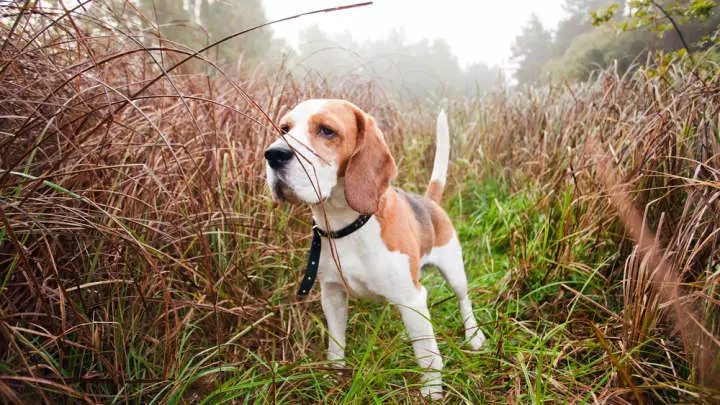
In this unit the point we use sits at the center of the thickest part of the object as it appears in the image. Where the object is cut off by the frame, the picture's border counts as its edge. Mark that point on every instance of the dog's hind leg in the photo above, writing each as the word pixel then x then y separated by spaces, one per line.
pixel 448 259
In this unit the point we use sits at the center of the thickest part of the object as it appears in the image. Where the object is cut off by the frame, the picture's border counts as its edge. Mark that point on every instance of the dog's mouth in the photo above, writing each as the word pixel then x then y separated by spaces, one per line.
pixel 284 193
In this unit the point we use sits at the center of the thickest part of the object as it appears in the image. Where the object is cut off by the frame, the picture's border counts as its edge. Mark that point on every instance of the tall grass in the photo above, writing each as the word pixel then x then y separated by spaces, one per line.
pixel 142 260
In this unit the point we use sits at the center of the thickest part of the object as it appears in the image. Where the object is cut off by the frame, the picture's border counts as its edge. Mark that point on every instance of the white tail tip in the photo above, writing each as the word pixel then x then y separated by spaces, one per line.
pixel 442 124
pixel 442 148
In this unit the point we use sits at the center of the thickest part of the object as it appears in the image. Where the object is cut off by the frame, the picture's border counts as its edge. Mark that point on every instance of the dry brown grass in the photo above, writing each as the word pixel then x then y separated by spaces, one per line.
pixel 129 215
pixel 141 257
pixel 651 149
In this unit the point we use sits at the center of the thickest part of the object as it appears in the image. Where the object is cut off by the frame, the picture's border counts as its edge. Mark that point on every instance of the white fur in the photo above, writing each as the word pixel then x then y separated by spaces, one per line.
pixel 448 258
pixel 442 149
pixel 369 269
pixel 305 175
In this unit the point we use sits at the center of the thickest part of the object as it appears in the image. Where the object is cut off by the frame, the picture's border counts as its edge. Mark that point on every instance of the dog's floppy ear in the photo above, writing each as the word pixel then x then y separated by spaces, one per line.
pixel 370 167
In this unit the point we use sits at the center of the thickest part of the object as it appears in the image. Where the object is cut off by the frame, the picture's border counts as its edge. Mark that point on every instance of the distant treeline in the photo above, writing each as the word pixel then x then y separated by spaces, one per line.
pixel 577 48
pixel 417 69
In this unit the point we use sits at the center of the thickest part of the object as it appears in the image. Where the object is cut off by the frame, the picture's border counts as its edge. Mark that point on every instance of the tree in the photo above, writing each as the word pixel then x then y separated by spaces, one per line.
pixel 598 49
pixel 683 28
pixel 172 19
pixel 182 23
pixel 578 22
pixel 412 69
pixel 646 30
pixel 531 50
pixel 480 78
pixel 222 18
pixel 583 8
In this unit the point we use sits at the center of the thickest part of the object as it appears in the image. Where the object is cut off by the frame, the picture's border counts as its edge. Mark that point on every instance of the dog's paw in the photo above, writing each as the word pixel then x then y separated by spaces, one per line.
pixel 337 373
pixel 434 392
pixel 341 370
pixel 432 386
pixel 477 340
pixel 337 363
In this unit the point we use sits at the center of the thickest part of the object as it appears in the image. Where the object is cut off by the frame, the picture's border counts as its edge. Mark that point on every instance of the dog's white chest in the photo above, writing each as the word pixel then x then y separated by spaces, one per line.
pixel 370 270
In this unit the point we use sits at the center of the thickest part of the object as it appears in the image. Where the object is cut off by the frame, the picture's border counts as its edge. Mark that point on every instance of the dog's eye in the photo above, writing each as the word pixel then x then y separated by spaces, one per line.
pixel 285 129
pixel 326 132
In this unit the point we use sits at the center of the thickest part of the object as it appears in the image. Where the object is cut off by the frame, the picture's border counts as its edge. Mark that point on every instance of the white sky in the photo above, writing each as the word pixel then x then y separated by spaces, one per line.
pixel 477 30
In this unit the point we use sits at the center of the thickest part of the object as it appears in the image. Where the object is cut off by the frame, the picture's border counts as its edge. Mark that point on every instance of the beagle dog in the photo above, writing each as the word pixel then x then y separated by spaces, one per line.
pixel 334 158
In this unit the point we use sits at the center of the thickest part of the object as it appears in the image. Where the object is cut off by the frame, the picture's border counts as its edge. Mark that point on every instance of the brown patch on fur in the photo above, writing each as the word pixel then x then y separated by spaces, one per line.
pixel 359 150
pixel 412 225
pixel 421 222
pixel 434 191
pixel 442 225
pixel 400 231
pixel 370 168
pixel 339 116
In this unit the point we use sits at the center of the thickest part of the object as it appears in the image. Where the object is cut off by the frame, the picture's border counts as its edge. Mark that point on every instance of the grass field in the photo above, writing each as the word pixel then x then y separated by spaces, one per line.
pixel 142 261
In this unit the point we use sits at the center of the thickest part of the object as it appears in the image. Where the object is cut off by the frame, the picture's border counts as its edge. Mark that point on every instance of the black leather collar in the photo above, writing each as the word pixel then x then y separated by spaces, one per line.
pixel 314 257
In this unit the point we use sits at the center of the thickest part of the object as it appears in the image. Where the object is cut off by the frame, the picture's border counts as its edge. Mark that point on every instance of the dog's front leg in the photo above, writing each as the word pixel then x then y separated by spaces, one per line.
pixel 334 305
pixel 416 317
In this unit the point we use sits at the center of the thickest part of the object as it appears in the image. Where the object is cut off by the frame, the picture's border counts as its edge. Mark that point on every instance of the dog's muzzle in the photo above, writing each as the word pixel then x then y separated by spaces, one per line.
pixel 278 156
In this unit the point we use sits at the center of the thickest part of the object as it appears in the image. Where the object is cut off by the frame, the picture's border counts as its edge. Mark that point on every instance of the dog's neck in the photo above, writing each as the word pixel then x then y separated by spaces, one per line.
pixel 336 209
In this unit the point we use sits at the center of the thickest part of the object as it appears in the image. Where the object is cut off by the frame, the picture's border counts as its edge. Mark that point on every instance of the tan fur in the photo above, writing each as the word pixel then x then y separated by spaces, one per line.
pixel 364 159
pixel 370 168
pixel 434 191
pixel 402 231
pixel 442 225
pixel 399 231
pixel 359 150
pixel 338 116
pixel 424 233
pixel 410 226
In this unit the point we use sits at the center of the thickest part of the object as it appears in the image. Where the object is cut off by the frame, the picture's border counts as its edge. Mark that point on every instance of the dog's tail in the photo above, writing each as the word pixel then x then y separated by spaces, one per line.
pixel 442 154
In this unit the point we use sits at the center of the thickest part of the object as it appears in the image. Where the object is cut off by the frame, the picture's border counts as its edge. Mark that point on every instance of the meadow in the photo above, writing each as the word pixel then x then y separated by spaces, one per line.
pixel 143 261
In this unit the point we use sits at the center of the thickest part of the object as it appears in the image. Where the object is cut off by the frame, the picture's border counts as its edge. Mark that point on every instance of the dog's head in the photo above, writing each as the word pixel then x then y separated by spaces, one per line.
pixel 326 140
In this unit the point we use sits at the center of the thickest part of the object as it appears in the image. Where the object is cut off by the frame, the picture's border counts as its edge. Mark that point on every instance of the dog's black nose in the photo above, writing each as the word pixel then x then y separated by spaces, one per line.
pixel 278 156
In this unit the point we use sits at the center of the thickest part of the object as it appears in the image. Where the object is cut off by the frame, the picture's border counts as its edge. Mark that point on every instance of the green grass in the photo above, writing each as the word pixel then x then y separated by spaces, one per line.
pixel 141 259
pixel 527 356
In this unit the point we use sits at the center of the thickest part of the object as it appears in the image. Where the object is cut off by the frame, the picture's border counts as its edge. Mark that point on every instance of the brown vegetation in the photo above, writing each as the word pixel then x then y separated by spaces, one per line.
pixel 141 258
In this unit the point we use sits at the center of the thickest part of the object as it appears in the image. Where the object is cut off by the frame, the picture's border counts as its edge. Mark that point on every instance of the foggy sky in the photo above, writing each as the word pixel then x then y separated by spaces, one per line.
pixel 476 30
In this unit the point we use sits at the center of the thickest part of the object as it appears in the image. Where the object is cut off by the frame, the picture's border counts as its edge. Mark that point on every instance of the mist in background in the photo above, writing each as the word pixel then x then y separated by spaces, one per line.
pixel 418 49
